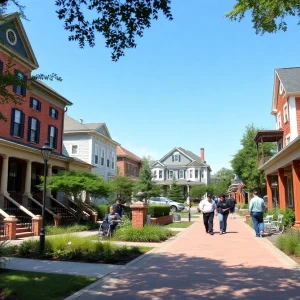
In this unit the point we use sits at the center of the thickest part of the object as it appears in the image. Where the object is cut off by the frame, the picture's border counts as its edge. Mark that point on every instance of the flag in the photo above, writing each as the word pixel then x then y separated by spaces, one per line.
pixel 241 185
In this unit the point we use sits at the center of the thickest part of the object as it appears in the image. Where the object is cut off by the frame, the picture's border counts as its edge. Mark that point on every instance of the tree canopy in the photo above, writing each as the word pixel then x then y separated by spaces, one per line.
pixel 122 185
pixel 267 15
pixel 75 184
pixel 245 163
pixel 224 180
pixel 175 191
pixel 198 192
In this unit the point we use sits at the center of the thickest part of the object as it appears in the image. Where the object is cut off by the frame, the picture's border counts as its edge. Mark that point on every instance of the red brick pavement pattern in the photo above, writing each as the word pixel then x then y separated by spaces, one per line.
pixel 236 265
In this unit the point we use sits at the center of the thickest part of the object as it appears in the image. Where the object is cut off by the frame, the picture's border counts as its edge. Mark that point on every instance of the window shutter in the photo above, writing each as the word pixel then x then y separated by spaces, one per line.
pixel 38 124
pixel 56 137
pixel 179 157
pixel 22 124
pixel 56 114
pixel 23 88
pixel 29 128
pixel 50 111
pixel 48 137
pixel 12 119
pixel 1 66
pixel 31 102
pixel 172 157
pixel 39 106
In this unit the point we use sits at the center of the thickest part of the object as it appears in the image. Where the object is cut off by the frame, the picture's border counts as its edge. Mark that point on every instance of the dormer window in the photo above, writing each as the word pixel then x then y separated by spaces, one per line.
pixel 176 157
pixel 285 113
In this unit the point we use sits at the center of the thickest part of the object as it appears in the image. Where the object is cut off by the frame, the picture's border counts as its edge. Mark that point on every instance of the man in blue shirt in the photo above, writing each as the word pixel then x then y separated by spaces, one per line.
pixel 256 210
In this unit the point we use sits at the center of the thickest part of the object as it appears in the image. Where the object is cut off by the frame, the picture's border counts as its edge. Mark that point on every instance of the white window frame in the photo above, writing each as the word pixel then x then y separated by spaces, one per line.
pixel 171 177
pixel 96 153
pixel 113 161
pixel 155 174
pixel 102 158
pixel 77 152
pixel 181 172
pixel 196 170
pixel 160 174
pixel 285 115
pixel 280 88
pixel 279 121
pixel 288 137
pixel 191 173
pixel 176 157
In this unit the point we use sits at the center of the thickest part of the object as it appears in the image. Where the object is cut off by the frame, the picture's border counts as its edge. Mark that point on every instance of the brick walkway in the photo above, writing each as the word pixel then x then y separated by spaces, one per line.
pixel 199 266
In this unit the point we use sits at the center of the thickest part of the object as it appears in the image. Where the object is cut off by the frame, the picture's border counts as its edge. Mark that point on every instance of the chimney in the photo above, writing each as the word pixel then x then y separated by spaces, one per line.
pixel 202 154
pixel 81 121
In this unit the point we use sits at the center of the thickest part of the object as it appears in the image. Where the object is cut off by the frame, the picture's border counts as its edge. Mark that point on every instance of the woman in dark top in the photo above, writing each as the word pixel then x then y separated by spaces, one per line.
pixel 223 208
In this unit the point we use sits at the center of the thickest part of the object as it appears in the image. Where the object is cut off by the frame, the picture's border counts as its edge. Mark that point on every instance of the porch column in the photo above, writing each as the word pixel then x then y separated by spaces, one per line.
pixel 281 187
pixel 296 188
pixel 269 191
pixel 4 180
pixel 27 190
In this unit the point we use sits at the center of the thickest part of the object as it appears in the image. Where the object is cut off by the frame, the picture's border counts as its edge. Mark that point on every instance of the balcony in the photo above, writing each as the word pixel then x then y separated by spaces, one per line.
pixel 263 160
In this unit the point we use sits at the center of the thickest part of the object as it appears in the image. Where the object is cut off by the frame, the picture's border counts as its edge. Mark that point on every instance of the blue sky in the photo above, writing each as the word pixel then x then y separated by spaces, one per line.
pixel 194 82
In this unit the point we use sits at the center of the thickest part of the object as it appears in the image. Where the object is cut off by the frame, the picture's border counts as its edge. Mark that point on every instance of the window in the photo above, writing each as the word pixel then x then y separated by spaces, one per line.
pixel 20 89
pixel 33 130
pixel 107 162
pixel 176 157
pixel 280 88
pixel 74 149
pixel 113 161
pixel 191 173
pixel 96 155
pixel 1 66
pixel 288 139
pixel 52 136
pixel 155 174
pixel 11 36
pixel 279 125
pixel 290 196
pixel 171 173
pixel 160 174
pixel 102 156
pixel 279 145
pixel 35 104
pixel 196 173
pixel 181 174
pixel 53 113
pixel 17 123
pixel 285 113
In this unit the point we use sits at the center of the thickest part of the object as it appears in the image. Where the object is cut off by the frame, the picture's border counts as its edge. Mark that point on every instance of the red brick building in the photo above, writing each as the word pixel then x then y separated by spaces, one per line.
pixel 283 169
pixel 39 119
pixel 128 164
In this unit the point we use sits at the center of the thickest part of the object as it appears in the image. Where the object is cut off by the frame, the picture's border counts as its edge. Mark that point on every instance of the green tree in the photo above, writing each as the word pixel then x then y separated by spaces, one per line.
pixel 224 180
pixel 75 184
pixel 245 163
pixel 175 192
pixel 144 182
pixel 122 185
pixel 267 15
pixel 198 192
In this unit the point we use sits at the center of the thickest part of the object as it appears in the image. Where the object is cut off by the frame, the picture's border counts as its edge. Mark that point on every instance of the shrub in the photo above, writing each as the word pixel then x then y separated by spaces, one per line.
pixel 157 210
pixel 149 233
pixel 102 210
pixel 77 248
pixel 288 244
pixel 244 206
pixel 288 216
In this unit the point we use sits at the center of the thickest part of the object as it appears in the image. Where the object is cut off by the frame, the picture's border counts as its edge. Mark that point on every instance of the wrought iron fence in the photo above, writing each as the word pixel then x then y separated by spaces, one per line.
pixel 26 222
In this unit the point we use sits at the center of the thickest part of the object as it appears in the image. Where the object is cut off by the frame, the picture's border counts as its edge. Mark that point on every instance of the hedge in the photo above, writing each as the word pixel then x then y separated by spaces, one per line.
pixel 156 211
pixel 288 216
pixel 102 210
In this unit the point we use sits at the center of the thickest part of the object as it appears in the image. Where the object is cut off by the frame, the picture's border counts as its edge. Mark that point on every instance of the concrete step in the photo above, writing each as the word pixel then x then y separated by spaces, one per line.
pixel 23 234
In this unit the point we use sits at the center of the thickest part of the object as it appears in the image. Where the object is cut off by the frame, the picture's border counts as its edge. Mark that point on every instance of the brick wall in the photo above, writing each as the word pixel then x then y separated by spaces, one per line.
pixel 285 126
pixel 42 116
pixel 122 164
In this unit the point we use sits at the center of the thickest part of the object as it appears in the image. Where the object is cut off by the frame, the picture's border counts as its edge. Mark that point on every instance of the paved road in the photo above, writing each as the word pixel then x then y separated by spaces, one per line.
pixel 199 266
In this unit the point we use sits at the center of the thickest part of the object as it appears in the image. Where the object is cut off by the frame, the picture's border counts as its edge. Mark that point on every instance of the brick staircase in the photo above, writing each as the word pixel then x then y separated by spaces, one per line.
pixel 23 231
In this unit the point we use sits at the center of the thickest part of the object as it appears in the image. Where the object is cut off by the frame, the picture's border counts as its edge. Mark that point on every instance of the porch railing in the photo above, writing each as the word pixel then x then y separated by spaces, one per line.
pixel 19 207
pixel 263 160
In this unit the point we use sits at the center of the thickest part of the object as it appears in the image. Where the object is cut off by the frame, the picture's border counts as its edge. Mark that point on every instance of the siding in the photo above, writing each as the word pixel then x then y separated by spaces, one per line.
pixel 298 113
pixel 83 142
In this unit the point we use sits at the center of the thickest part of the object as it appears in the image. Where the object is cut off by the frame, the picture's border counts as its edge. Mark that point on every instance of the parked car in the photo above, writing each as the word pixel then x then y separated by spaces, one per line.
pixel 175 206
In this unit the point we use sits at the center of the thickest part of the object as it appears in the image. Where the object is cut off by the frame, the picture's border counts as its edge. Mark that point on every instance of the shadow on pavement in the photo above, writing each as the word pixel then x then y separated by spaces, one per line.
pixel 162 276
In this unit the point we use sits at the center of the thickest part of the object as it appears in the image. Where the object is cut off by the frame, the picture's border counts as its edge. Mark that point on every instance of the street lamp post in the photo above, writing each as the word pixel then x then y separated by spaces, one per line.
pixel 46 152
pixel 189 200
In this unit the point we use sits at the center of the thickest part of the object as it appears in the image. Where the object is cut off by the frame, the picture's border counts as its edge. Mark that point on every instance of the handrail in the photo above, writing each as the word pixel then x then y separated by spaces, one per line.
pixel 21 207
pixel 39 204
pixel 84 205
pixel 4 214
pixel 67 208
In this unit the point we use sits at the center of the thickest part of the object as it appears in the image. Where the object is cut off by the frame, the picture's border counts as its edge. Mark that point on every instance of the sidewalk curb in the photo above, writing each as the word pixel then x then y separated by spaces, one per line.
pixel 164 245
pixel 285 259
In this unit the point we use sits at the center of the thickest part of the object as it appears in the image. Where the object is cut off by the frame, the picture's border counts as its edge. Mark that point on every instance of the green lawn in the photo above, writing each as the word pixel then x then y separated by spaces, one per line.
pixel 179 225
pixel 36 286
pixel 53 230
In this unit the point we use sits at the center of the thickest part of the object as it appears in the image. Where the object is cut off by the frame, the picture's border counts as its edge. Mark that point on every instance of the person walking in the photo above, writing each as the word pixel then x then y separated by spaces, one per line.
pixel 232 202
pixel 223 208
pixel 208 207
pixel 256 210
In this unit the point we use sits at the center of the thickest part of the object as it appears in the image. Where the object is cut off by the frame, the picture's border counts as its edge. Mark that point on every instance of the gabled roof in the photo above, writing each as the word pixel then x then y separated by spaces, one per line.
pixel 73 126
pixel 290 80
pixel 122 152
pixel 17 23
